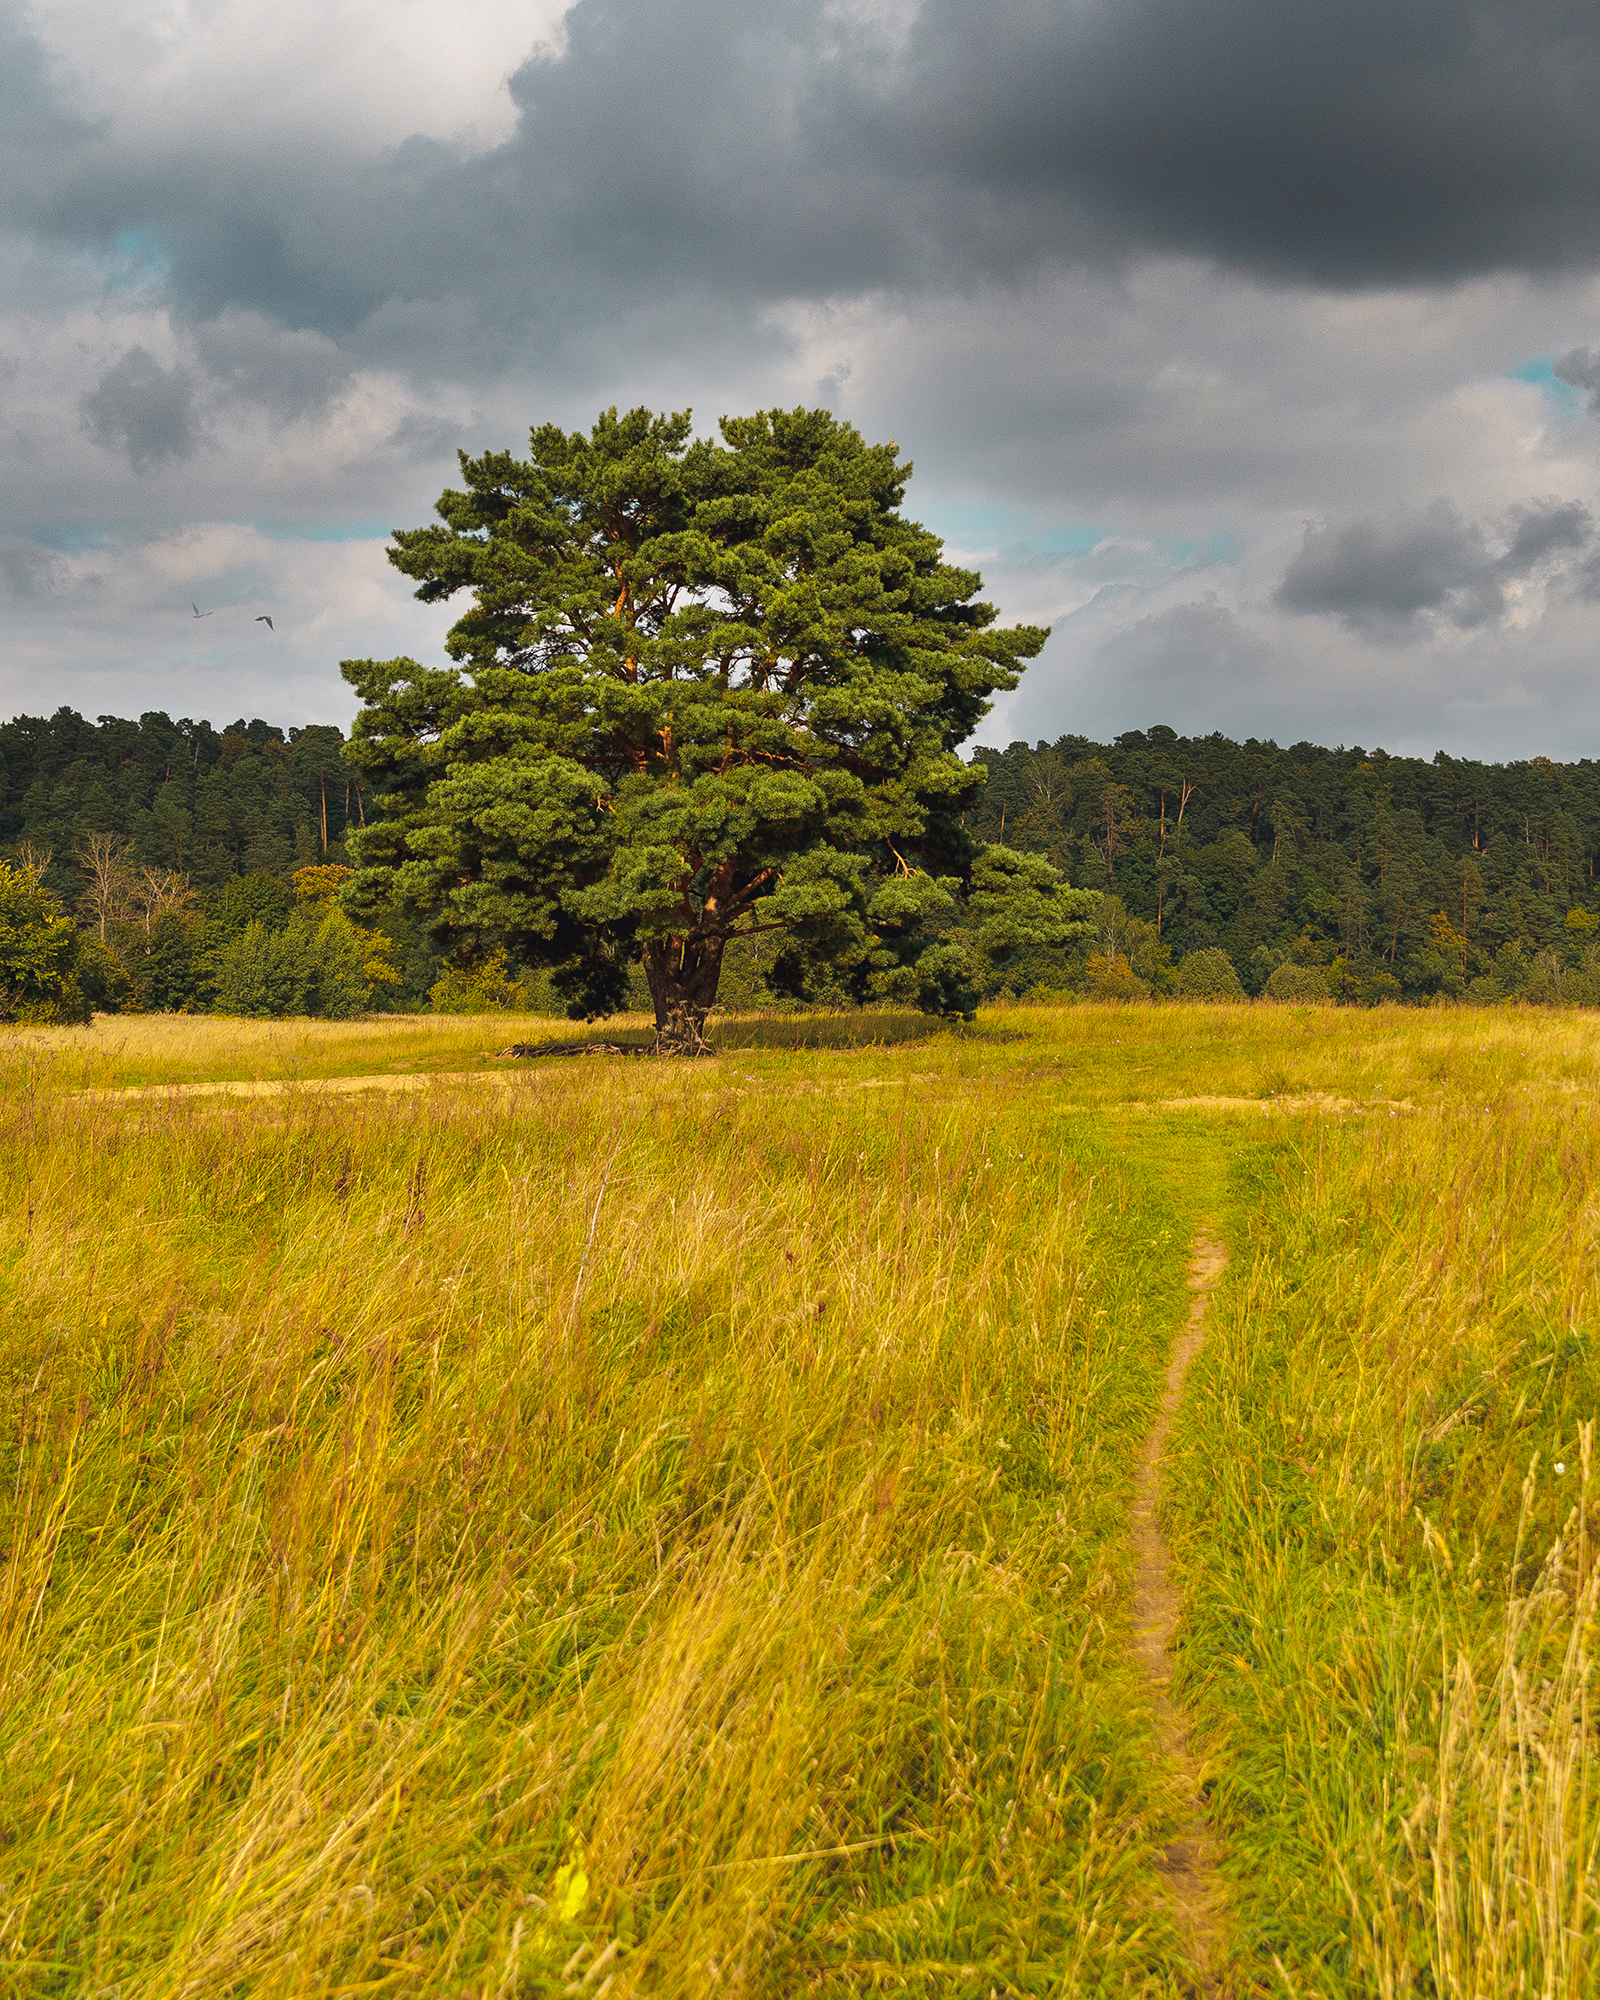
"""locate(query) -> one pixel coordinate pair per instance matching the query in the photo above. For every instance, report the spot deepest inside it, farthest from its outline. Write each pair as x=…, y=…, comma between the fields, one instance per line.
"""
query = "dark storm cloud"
x=792, y=150
x=1350, y=143
x=777, y=153
x=143, y=410
x=1380, y=576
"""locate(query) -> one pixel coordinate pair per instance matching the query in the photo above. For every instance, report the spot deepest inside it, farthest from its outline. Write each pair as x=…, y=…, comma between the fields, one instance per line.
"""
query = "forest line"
x=1225, y=867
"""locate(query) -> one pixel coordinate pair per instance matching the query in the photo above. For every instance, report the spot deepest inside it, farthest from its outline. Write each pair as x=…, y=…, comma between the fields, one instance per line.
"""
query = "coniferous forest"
x=201, y=865
x=1388, y=877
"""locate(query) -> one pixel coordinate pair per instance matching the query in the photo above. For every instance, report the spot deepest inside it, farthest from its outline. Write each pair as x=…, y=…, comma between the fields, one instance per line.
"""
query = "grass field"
x=602, y=1526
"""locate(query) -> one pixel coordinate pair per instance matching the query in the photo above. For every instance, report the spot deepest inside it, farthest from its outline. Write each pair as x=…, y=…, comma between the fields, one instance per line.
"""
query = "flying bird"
x=198, y=612
x=265, y=620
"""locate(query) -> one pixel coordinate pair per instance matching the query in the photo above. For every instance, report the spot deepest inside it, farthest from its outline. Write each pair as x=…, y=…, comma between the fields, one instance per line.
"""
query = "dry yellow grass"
x=643, y=1528
x=629, y=1471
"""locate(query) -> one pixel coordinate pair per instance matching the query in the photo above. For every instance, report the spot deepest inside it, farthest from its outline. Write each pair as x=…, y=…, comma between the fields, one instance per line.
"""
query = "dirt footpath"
x=1190, y=1866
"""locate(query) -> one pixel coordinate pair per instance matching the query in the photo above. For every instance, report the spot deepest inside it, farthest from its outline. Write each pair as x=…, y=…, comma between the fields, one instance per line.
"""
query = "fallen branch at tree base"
x=529, y=1049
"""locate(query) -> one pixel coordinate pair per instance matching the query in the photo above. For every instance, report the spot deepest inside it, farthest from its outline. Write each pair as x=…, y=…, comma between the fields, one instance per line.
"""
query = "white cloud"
x=229, y=71
x=122, y=614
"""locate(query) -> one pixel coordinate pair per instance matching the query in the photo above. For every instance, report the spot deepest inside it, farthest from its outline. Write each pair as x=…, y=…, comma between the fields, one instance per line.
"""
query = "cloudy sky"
x=1254, y=347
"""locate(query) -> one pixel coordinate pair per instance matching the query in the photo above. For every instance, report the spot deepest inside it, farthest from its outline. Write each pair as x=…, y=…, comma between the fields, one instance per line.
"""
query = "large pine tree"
x=705, y=690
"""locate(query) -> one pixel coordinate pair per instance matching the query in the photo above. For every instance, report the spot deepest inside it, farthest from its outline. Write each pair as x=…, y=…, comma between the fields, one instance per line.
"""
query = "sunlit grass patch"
x=664, y=1523
x=405, y=1498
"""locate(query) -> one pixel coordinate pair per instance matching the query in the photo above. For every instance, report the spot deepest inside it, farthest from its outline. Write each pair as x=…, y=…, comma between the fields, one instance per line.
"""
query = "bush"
x=481, y=989
x=258, y=974
x=1209, y=975
x=171, y=976
x=38, y=953
x=103, y=978
x=338, y=956
x=1109, y=976
x=1300, y=983
x=315, y=965
x=1123, y=957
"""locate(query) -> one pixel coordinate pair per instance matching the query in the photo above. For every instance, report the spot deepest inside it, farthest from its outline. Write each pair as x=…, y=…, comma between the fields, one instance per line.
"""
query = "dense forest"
x=186, y=797
x=201, y=864
x=1226, y=867
x=1391, y=876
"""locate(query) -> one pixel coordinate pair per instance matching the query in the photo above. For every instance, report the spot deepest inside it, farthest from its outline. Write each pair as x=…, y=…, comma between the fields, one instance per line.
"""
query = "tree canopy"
x=705, y=690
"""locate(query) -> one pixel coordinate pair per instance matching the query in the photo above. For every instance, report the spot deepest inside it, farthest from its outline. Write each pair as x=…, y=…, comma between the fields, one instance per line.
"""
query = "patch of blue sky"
x=1015, y=531
x=1217, y=548
x=1543, y=376
x=70, y=538
x=323, y=531
x=979, y=527
x=138, y=257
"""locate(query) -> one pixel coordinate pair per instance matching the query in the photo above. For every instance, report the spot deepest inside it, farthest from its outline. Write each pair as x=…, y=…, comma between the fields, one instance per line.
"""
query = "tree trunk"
x=683, y=975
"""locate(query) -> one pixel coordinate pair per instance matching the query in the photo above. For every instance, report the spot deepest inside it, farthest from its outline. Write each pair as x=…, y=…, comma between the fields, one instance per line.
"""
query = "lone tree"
x=705, y=691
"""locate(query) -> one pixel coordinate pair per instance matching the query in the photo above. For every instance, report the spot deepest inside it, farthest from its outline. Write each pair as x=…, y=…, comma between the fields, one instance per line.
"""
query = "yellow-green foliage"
x=482, y=989
x=481, y=1530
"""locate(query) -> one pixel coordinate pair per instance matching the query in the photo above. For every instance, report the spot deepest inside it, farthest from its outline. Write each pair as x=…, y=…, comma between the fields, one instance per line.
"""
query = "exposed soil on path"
x=1190, y=1863
x=281, y=1086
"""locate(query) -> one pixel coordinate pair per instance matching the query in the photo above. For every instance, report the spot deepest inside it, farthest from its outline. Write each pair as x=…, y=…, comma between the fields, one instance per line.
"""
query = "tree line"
x=1381, y=876
x=197, y=869
x=175, y=847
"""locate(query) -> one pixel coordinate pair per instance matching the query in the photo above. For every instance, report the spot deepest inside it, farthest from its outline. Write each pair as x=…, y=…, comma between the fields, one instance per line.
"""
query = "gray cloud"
x=802, y=150
x=290, y=374
x=1151, y=279
x=27, y=569
x=143, y=410
x=1200, y=644
x=1380, y=575
x=1582, y=369
x=1549, y=528
x=1351, y=143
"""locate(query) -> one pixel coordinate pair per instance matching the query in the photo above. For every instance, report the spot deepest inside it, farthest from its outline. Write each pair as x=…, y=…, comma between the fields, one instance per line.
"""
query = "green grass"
x=1388, y=1521
x=661, y=1528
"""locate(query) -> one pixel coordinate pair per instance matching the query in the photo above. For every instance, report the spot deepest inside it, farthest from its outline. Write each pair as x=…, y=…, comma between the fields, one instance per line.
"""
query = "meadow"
x=481, y=1527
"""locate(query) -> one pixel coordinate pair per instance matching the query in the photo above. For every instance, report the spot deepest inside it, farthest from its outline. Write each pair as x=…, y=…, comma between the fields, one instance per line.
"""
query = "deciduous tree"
x=38, y=948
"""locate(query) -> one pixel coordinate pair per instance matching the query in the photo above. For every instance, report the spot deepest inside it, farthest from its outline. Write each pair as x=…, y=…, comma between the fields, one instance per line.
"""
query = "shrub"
x=482, y=989
x=1109, y=976
x=38, y=953
x=1300, y=983
x=171, y=976
x=317, y=964
x=338, y=955
x=103, y=978
x=1209, y=975
x=1121, y=949
x=259, y=975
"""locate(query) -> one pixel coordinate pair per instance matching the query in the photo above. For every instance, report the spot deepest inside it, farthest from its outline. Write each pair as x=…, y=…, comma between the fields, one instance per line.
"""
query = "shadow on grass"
x=756, y=1033
x=783, y=1032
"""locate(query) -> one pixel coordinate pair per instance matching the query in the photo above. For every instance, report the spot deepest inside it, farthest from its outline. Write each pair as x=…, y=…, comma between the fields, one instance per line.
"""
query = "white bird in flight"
x=265, y=620
x=198, y=612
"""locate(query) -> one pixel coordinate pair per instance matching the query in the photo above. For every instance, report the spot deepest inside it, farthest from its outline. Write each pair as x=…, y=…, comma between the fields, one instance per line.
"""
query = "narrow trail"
x=1189, y=1866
